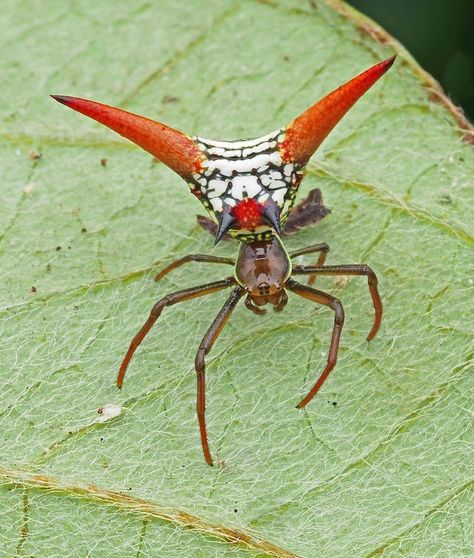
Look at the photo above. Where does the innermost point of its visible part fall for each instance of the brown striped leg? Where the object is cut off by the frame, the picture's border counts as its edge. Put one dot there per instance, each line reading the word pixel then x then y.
pixel 335 304
pixel 283 302
pixel 255 309
pixel 194 258
pixel 351 269
pixel 323 248
pixel 169 300
pixel 206 345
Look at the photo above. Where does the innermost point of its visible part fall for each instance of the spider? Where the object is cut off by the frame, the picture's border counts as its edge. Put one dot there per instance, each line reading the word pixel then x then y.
pixel 249 188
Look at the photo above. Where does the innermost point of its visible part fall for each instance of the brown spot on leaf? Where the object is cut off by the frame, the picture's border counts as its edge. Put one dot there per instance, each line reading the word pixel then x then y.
pixel 376 33
pixel 34 155
pixel 170 99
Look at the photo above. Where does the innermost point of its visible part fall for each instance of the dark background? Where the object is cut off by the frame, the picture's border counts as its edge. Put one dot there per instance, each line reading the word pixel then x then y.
pixel 440 36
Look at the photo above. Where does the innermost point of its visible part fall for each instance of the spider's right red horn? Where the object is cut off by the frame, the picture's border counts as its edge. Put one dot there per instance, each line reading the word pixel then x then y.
pixel 306 133
pixel 177 150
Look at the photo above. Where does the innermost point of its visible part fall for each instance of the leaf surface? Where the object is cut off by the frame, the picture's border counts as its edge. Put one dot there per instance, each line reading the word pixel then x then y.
pixel 380 463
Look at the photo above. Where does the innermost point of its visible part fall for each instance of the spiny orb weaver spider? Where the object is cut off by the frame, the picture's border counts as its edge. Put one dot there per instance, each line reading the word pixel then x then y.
pixel 248 188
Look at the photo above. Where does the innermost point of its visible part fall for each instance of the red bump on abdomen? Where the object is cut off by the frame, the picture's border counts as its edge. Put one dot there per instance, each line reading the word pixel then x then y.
pixel 248 213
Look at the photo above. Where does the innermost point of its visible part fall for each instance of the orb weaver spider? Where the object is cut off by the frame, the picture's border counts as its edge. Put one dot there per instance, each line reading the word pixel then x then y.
pixel 248 188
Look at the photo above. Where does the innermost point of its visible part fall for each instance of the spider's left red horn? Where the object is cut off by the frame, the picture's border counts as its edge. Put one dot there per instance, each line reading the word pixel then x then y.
pixel 306 133
pixel 177 150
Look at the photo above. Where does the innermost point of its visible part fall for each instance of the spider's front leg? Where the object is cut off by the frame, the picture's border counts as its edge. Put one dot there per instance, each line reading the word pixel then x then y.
pixel 206 345
pixel 255 309
pixel 169 300
pixel 328 300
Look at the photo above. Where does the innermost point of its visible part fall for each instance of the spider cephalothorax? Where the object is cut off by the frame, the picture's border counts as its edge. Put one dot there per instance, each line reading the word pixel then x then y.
pixel 248 188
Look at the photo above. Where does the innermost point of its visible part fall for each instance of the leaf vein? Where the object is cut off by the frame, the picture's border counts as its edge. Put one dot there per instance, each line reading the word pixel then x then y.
pixel 414 526
pixel 145 508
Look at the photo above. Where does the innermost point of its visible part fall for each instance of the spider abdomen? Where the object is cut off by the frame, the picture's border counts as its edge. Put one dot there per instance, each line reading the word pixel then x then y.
pixel 234 171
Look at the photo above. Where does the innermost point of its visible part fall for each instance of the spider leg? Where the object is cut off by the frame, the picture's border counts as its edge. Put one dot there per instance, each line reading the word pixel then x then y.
pixel 328 300
pixel 206 345
pixel 210 226
pixel 351 269
pixel 169 300
pixel 308 212
pixel 283 302
pixel 255 309
pixel 195 258
pixel 323 248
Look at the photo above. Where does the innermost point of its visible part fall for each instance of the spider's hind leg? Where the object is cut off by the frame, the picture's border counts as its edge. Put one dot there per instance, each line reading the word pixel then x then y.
pixel 193 258
pixel 323 250
pixel 211 227
pixel 308 212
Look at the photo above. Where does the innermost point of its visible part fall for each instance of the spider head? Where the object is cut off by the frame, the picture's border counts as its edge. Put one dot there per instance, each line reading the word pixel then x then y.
pixel 262 268
pixel 264 288
pixel 266 294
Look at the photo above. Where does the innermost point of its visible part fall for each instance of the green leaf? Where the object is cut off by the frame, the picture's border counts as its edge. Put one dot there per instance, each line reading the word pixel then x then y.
pixel 379 464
